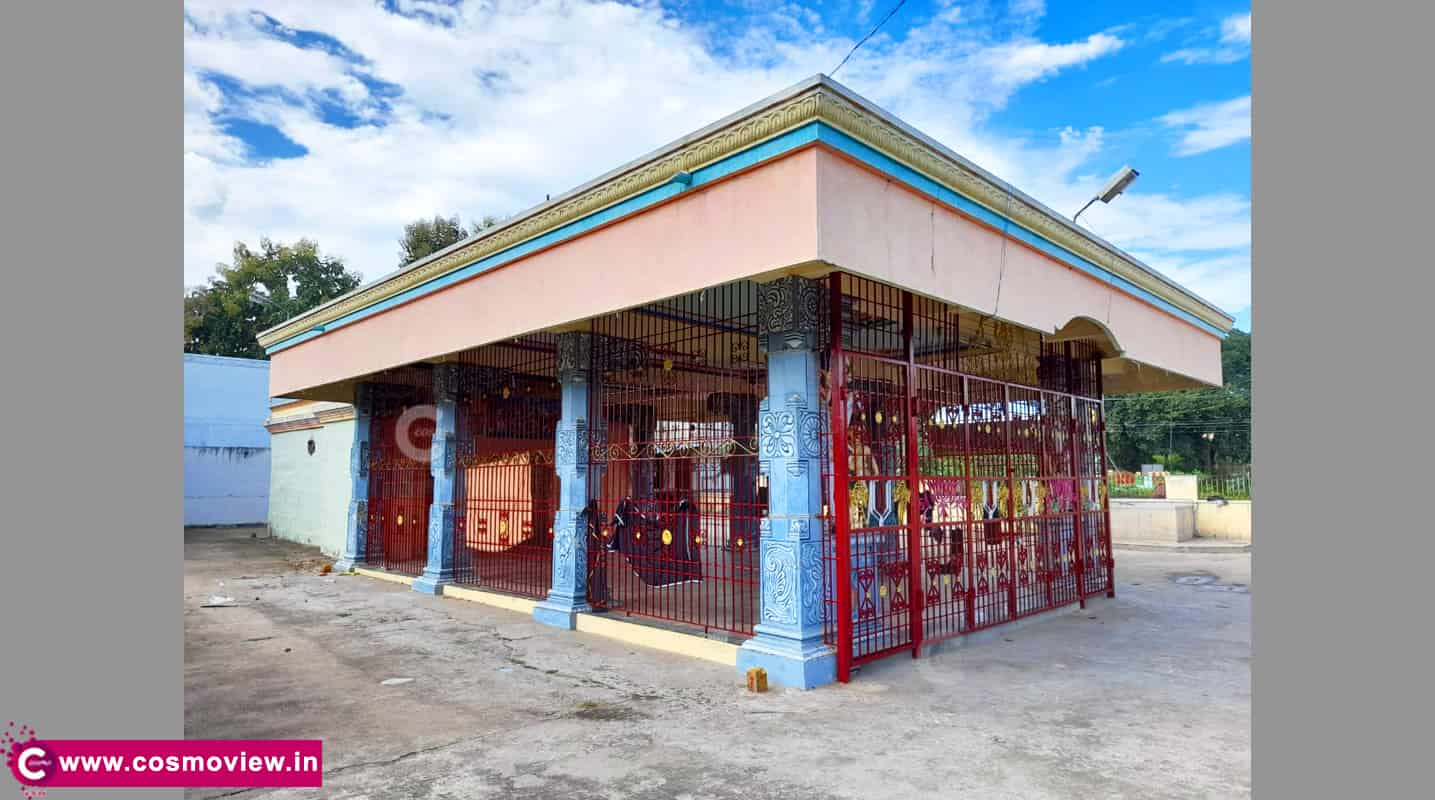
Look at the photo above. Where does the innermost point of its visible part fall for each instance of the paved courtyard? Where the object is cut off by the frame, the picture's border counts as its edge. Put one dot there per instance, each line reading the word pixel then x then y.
pixel 1147 695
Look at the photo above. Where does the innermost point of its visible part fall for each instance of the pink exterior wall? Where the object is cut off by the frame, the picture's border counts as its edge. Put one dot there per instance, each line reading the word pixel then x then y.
pixel 759 220
pixel 874 226
pixel 809 205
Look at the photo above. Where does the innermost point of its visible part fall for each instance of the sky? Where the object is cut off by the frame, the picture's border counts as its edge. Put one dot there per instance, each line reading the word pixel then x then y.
pixel 343 121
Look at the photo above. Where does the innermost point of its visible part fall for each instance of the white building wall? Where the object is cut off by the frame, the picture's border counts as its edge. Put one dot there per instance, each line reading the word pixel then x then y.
pixel 309 493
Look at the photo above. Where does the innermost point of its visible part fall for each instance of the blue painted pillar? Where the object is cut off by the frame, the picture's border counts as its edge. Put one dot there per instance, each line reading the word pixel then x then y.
pixel 788 641
pixel 442 462
pixel 356 540
pixel 576 484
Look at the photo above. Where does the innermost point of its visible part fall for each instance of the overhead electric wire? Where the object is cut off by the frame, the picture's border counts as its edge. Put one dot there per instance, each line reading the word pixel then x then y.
pixel 869 35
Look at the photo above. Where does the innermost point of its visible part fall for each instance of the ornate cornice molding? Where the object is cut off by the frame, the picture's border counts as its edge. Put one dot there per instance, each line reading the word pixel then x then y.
pixel 336 415
pixel 301 424
pixel 821 102
pixel 311 420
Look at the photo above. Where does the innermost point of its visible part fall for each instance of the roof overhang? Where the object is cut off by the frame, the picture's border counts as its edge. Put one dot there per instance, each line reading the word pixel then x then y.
pixel 665 188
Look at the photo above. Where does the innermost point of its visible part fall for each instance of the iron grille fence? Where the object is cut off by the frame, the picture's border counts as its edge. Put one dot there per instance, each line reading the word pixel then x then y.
pixel 505 487
pixel 1232 484
pixel 400 483
pixel 679 500
pixel 965 481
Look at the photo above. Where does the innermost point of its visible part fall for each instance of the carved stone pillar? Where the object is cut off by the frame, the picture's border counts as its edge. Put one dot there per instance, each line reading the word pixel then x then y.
pixel 788 641
pixel 443 456
pixel 356 539
pixel 577 483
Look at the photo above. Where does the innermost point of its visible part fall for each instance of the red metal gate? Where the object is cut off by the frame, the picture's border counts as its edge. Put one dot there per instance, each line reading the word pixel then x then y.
pixel 400 484
pixel 965 482
pixel 677 507
pixel 505 487
pixel 1094 526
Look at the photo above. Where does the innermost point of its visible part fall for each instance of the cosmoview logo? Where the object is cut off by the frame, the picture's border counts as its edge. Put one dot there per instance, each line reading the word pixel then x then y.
pixel 406 431
pixel 30 760
pixel 159 763
pixel 34 762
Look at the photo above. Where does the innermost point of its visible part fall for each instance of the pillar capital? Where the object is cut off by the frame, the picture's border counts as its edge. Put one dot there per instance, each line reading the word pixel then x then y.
pixel 446 380
pixel 789 313
pixel 363 398
pixel 575 356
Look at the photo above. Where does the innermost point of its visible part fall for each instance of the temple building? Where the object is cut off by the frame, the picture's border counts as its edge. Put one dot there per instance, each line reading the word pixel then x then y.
pixel 805 381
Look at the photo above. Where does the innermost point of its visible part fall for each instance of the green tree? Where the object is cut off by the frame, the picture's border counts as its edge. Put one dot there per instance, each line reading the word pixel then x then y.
pixel 259 290
pixel 427 236
pixel 1194 429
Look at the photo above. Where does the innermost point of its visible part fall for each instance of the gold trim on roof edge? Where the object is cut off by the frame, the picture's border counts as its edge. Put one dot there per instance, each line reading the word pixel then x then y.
pixel 816 104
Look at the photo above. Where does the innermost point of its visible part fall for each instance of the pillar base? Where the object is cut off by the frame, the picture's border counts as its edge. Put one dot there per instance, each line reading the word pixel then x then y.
pixel 431 584
pixel 346 564
pixel 789 662
pixel 559 613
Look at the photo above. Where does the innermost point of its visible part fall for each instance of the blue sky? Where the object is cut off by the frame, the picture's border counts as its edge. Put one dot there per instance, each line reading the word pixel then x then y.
pixel 342 121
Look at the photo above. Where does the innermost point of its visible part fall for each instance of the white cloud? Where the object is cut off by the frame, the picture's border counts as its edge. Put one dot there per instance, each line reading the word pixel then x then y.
pixel 1236 29
pixel 1233 43
pixel 1030 9
pixel 1204 55
pixel 1027 62
pixel 233 44
pixel 1210 125
pixel 499 104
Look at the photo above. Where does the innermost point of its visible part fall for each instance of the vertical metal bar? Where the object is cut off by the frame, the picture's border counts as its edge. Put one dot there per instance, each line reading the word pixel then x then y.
pixel 1105 494
pixel 1070 370
pixel 841 518
pixel 1080 508
pixel 1011 503
pixel 969 536
pixel 1044 476
pixel 460 486
pixel 916 598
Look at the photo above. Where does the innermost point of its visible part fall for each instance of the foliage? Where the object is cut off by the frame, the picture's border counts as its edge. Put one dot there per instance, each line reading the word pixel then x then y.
pixel 259 290
pixel 1172 426
pixel 426 236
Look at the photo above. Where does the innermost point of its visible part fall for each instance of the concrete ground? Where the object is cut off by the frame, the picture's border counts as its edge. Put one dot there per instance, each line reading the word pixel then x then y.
pixel 1143 696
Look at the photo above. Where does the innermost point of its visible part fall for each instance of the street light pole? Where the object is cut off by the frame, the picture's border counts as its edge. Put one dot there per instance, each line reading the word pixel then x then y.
pixel 1123 178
